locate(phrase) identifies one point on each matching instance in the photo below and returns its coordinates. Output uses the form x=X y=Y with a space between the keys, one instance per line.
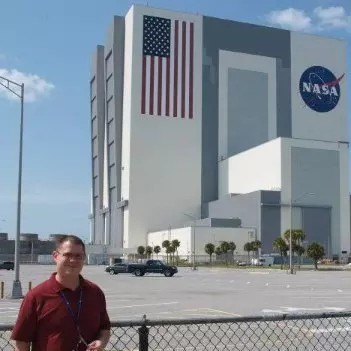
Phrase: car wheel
x=111 y=272
x=137 y=272
x=167 y=273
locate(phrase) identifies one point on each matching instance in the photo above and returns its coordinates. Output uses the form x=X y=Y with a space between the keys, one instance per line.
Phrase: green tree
x=280 y=245
x=248 y=249
x=316 y=252
x=218 y=251
x=232 y=248
x=175 y=245
x=210 y=249
x=225 y=248
x=297 y=236
x=255 y=246
x=300 y=250
x=157 y=250
x=141 y=251
x=166 y=244
x=149 y=250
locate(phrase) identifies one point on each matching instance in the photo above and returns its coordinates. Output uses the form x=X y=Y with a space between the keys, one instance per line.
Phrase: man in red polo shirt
x=65 y=312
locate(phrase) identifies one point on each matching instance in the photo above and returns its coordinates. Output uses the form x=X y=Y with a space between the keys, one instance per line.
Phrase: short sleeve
x=105 y=323
x=26 y=323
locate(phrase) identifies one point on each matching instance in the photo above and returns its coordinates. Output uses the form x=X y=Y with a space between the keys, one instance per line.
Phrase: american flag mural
x=167 y=67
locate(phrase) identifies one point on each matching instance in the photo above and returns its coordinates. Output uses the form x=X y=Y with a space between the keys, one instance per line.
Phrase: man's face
x=69 y=258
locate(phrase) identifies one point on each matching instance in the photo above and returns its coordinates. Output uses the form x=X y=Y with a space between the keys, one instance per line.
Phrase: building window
x=109 y=87
x=110 y=109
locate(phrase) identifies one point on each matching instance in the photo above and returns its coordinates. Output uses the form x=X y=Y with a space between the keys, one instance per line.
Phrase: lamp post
x=8 y=84
x=291 y=270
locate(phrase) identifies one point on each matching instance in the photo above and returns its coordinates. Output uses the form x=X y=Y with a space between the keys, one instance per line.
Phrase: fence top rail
x=245 y=319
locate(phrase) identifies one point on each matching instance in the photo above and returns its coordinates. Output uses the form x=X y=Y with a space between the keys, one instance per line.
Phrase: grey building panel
x=316 y=223
x=316 y=181
x=247 y=120
x=270 y=197
x=270 y=227
x=250 y=39
x=245 y=206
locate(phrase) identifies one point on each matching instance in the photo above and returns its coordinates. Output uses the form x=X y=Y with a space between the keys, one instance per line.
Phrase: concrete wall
x=256 y=50
x=203 y=236
x=97 y=109
x=243 y=173
x=161 y=156
x=317 y=178
x=309 y=50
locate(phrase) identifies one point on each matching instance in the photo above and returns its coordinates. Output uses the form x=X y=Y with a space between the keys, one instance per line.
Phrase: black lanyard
x=69 y=308
x=76 y=320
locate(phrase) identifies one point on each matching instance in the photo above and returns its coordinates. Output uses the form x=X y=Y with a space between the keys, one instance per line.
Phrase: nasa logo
x=320 y=89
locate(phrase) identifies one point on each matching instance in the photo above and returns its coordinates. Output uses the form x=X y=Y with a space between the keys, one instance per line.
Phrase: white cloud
x=334 y=17
x=34 y=86
x=321 y=19
x=290 y=18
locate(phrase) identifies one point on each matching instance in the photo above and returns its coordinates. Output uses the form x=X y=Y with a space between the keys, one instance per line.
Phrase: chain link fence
x=329 y=331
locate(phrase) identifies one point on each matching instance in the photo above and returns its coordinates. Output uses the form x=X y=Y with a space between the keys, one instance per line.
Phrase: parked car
x=118 y=268
x=8 y=265
x=152 y=266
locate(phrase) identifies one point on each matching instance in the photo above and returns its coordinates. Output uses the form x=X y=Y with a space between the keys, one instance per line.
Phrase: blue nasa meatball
x=320 y=89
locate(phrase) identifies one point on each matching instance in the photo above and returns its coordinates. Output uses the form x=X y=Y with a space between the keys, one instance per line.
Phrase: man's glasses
x=71 y=256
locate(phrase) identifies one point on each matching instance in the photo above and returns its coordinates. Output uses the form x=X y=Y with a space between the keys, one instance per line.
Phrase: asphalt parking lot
x=202 y=293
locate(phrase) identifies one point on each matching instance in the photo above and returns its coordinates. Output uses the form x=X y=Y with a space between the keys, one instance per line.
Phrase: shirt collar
x=57 y=287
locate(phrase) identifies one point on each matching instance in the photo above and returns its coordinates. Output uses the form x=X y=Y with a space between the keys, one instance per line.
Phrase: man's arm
x=22 y=346
x=104 y=337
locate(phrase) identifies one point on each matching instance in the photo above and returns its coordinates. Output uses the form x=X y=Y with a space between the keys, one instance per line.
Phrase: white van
x=263 y=261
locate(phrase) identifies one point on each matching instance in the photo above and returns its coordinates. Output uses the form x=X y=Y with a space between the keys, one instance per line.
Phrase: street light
x=194 y=220
x=290 y=236
x=7 y=84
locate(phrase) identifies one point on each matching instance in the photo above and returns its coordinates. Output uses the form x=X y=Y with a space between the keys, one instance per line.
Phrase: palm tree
x=280 y=245
x=255 y=245
x=232 y=248
x=148 y=251
x=210 y=249
x=248 y=248
x=297 y=236
x=225 y=248
x=316 y=252
x=166 y=244
x=157 y=250
x=141 y=251
x=176 y=244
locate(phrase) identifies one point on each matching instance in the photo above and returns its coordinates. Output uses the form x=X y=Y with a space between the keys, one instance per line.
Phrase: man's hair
x=72 y=238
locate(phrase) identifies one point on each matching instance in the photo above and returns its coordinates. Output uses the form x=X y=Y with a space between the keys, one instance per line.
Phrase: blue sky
x=47 y=45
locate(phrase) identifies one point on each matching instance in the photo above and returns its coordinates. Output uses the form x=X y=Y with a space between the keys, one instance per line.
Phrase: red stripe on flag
x=168 y=82
x=159 y=87
x=152 y=77
x=175 y=91
x=191 y=71
x=183 y=66
x=143 y=86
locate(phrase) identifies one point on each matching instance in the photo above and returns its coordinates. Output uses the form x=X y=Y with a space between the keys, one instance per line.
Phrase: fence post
x=143 y=336
x=2 y=288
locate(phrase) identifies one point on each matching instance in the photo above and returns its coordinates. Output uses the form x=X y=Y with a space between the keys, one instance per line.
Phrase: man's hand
x=100 y=344
x=96 y=345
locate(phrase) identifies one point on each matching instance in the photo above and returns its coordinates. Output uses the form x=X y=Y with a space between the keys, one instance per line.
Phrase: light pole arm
x=7 y=86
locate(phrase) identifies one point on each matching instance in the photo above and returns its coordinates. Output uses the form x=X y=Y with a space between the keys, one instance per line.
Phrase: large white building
x=219 y=124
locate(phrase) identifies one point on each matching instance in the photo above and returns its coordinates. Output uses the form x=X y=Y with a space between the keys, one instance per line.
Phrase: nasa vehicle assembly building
x=236 y=130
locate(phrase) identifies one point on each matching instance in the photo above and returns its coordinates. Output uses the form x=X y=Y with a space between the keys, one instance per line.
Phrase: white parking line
x=144 y=305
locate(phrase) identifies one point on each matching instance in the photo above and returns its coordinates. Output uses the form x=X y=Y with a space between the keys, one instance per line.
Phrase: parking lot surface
x=202 y=293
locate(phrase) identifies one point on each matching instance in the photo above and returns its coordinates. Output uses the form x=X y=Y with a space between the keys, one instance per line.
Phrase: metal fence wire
x=329 y=331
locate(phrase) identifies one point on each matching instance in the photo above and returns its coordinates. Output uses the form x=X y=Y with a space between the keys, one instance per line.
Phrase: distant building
x=195 y=118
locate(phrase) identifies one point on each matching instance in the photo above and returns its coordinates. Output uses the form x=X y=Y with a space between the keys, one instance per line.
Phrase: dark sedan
x=7 y=265
x=118 y=268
